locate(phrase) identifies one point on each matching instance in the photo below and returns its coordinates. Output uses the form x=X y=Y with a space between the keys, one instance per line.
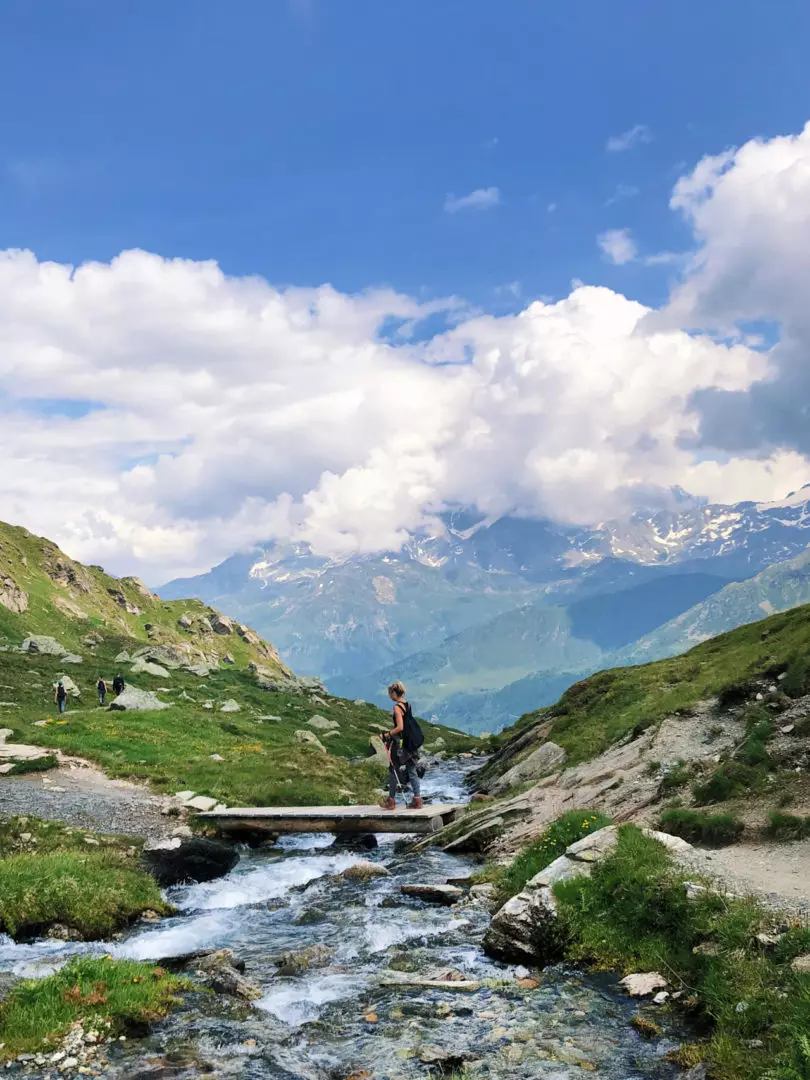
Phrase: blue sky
x=318 y=140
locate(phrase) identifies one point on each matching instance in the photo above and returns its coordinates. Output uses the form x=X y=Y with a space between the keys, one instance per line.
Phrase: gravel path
x=777 y=874
x=90 y=800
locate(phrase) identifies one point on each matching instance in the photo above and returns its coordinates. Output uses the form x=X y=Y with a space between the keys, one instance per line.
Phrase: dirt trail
x=79 y=794
x=777 y=873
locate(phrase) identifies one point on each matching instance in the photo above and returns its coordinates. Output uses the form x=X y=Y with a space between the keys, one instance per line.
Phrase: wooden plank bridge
x=332 y=819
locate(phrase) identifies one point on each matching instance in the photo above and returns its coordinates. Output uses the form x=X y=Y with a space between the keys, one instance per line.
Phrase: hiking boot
x=416 y=803
x=389 y=804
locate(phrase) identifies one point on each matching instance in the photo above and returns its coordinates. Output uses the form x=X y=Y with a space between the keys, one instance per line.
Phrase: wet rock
x=60 y=932
x=434 y=894
x=363 y=871
x=311 y=916
x=224 y=976
x=447 y=1061
x=134 y=700
x=297 y=961
x=180 y=860
x=643 y=985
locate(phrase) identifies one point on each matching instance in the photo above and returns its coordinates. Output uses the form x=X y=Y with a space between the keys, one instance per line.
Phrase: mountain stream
x=342 y=1021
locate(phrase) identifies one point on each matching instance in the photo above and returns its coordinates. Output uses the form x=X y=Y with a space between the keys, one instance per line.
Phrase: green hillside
x=251 y=752
x=595 y=712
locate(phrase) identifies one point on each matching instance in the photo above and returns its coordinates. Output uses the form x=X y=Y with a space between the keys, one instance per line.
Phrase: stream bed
x=341 y=1021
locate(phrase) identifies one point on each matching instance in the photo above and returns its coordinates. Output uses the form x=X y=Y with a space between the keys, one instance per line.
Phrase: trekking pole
x=400 y=788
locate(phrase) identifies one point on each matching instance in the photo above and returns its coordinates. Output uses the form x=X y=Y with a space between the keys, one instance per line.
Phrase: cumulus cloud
x=157 y=415
x=638 y=133
x=618 y=246
x=481 y=199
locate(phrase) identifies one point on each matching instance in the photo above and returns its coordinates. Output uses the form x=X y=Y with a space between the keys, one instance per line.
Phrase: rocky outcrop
x=43 y=645
x=120 y=597
x=286 y=683
x=221 y=624
x=138 y=585
x=134 y=700
x=533 y=767
x=176 y=861
x=69 y=608
x=68 y=574
x=526 y=928
x=146 y=667
x=12 y=596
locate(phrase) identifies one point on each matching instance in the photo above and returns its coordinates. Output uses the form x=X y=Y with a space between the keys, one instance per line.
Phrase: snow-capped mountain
x=346 y=619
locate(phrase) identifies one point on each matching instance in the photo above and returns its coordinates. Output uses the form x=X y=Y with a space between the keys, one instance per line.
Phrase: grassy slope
x=263 y=763
x=597 y=711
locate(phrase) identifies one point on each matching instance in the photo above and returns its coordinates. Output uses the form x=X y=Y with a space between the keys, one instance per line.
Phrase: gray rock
x=72 y=658
x=12 y=596
x=310 y=739
x=43 y=645
x=122 y=658
x=70 y=686
x=185 y=621
x=323 y=723
x=134 y=700
x=221 y=624
x=434 y=894
x=541 y=761
x=180 y=860
x=643 y=984
x=146 y=667
x=363 y=871
x=203 y=803
x=230 y=706
x=201 y=670
x=297 y=961
x=801 y=963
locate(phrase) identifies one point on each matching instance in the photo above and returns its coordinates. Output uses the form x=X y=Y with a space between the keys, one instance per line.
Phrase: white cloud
x=618 y=246
x=639 y=133
x=481 y=199
x=227 y=412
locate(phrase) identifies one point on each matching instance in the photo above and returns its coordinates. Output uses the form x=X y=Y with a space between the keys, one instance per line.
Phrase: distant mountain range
x=488 y=617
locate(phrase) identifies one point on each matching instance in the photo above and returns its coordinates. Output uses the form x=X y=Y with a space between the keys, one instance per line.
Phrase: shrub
x=787 y=826
x=796 y=682
x=794 y=942
x=716 y=830
x=729 y=779
x=676 y=778
x=29 y=765
x=558 y=836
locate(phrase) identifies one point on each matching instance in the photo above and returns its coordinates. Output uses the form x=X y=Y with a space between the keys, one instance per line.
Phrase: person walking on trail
x=101 y=686
x=60 y=697
x=118 y=684
x=402 y=743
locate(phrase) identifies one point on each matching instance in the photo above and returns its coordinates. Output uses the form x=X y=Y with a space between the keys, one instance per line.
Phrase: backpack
x=412 y=734
x=61 y=693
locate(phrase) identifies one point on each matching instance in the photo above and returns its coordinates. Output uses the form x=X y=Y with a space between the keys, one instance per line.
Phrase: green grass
x=94 y=892
x=787 y=826
x=633 y=914
x=127 y=994
x=597 y=711
x=30 y=765
x=714 y=830
x=559 y=835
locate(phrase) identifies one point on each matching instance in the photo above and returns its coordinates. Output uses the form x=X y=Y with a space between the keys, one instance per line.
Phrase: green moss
x=118 y=993
x=94 y=892
x=633 y=914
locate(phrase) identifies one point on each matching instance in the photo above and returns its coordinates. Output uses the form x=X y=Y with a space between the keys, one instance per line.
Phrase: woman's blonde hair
x=397 y=689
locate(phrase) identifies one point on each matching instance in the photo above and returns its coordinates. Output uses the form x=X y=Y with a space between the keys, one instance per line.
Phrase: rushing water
x=341 y=1021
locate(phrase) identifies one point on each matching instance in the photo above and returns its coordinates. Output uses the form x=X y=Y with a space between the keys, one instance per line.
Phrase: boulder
x=134 y=700
x=180 y=860
x=122 y=658
x=378 y=751
x=146 y=667
x=541 y=761
x=310 y=739
x=434 y=894
x=801 y=964
x=643 y=985
x=12 y=596
x=72 y=658
x=230 y=706
x=228 y=659
x=203 y=803
x=70 y=686
x=323 y=723
x=363 y=871
x=42 y=645
x=201 y=670
x=185 y=621
x=166 y=655
x=223 y=973
x=221 y=624
x=297 y=961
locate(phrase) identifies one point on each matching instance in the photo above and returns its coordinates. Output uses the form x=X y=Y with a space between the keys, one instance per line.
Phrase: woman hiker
x=101 y=686
x=403 y=742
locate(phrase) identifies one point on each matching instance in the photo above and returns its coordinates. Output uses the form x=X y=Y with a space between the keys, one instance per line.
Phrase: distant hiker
x=118 y=684
x=403 y=742
x=101 y=686
x=60 y=697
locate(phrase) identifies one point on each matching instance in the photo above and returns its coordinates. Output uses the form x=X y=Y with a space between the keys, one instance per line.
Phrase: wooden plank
x=333 y=819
